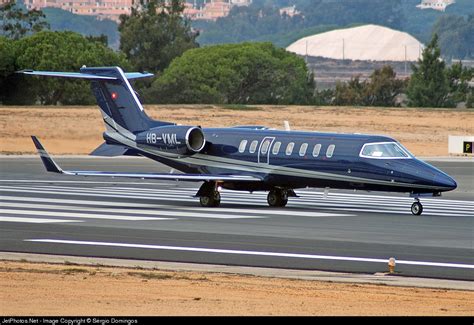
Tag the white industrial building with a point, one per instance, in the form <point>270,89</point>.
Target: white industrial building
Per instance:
<point>365,43</point>
<point>439,5</point>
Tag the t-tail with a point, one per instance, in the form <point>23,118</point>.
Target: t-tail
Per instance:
<point>122,112</point>
<point>118,102</point>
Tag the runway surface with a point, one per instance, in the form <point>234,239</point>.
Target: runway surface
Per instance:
<point>346,231</point>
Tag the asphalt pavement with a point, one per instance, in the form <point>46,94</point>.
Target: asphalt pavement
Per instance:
<point>346,231</point>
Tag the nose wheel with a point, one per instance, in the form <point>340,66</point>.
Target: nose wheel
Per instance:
<point>417,208</point>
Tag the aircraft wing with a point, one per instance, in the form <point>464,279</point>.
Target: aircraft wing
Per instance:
<point>52,166</point>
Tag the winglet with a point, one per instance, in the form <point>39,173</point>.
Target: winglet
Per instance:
<point>48,162</point>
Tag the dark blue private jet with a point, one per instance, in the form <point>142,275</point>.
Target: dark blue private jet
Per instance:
<point>247,158</point>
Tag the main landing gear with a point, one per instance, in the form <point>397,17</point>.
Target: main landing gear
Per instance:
<point>211,200</point>
<point>208,195</point>
<point>277,198</point>
<point>417,207</point>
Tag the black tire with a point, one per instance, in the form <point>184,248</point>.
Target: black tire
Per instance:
<point>277,198</point>
<point>216,198</point>
<point>273,198</point>
<point>205,201</point>
<point>213,200</point>
<point>416,208</point>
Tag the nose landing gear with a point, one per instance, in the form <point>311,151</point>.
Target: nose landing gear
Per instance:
<point>417,207</point>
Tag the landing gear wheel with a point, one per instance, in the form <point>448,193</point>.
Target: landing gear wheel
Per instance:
<point>417,208</point>
<point>277,198</point>
<point>213,200</point>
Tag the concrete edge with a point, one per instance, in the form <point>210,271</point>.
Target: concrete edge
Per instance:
<point>374,279</point>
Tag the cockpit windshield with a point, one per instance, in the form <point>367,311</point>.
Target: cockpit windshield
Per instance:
<point>384,150</point>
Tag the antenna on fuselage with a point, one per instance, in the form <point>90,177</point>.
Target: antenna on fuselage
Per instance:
<point>287,125</point>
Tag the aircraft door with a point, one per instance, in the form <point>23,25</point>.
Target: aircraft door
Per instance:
<point>264,150</point>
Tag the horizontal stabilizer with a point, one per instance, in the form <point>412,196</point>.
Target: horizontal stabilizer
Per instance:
<point>110,150</point>
<point>80,75</point>
<point>51,166</point>
<point>137,75</point>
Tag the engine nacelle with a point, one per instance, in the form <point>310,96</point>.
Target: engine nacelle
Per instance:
<point>176,140</point>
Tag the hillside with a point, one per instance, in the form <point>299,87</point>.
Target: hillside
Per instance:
<point>262,21</point>
<point>62,20</point>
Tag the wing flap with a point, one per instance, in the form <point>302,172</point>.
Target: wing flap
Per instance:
<point>109,150</point>
<point>51,166</point>
<point>162,176</point>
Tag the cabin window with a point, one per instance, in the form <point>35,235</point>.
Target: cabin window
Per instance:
<point>316,150</point>
<point>265,146</point>
<point>384,150</point>
<point>303,149</point>
<point>253,146</point>
<point>289,148</point>
<point>276,148</point>
<point>242,146</point>
<point>330,151</point>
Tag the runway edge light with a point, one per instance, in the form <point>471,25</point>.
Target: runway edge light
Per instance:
<point>391,265</point>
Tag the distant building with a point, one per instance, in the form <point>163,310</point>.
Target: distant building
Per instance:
<point>241,2</point>
<point>215,9</point>
<point>103,9</point>
<point>112,9</point>
<point>439,5</point>
<point>289,11</point>
<point>361,43</point>
<point>212,9</point>
<point>4,2</point>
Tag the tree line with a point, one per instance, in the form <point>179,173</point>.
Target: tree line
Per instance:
<point>158,39</point>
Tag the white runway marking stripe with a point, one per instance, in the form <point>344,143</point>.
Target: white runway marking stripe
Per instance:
<point>78,202</point>
<point>304,196</point>
<point>157,211</point>
<point>327,205</point>
<point>171,195</point>
<point>198,214</point>
<point>257,199</point>
<point>254,253</point>
<point>34,220</point>
<point>85,192</point>
<point>340,203</point>
<point>375,205</point>
<point>77,215</point>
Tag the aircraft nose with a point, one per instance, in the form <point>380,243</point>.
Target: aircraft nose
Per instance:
<point>445,181</point>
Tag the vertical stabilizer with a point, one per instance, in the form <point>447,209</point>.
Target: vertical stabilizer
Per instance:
<point>117,100</point>
<point>122,111</point>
